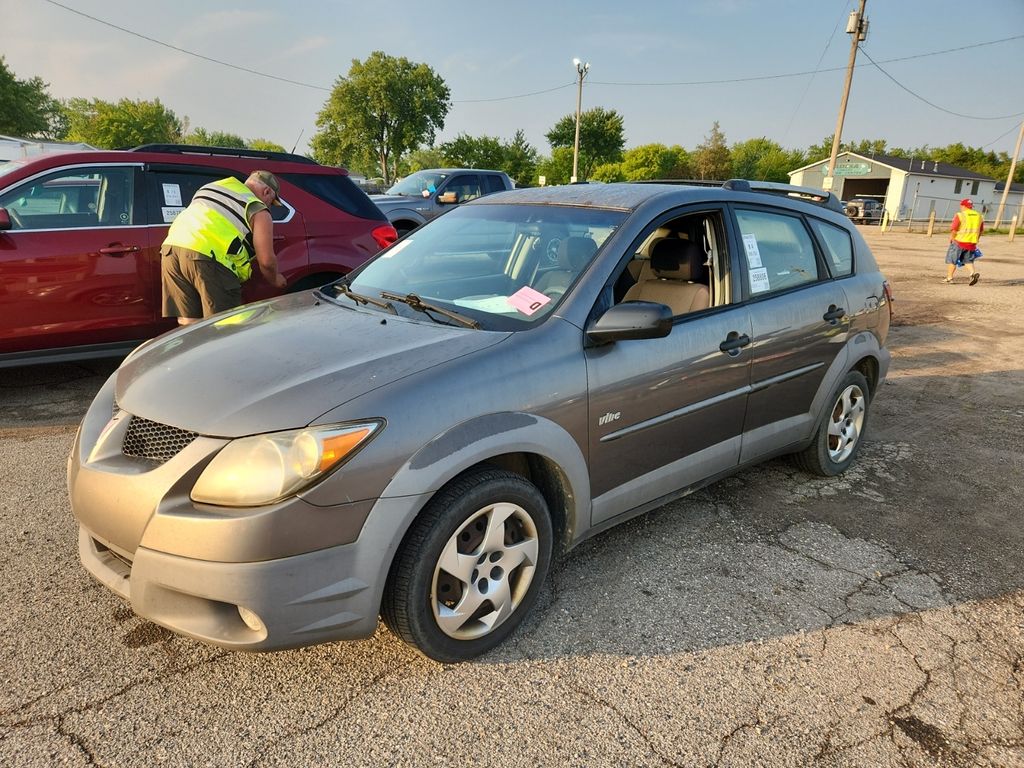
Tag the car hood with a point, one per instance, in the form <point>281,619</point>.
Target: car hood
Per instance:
<point>280,364</point>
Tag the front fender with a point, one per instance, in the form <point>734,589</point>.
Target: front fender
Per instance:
<point>405,214</point>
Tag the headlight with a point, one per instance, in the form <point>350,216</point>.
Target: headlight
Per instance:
<point>266,468</point>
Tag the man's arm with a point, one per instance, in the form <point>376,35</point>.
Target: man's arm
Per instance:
<point>263,242</point>
<point>954,227</point>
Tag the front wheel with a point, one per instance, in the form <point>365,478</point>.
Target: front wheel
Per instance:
<point>840,433</point>
<point>470,567</point>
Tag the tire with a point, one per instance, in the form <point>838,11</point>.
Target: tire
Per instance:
<point>470,567</point>
<point>404,228</point>
<point>840,431</point>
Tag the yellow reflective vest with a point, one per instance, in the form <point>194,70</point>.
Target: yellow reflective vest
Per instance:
<point>970,226</point>
<point>217,223</point>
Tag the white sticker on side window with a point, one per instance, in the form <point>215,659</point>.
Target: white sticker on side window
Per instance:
<point>753,254</point>
<point>171,213</point>
<point>759,280</point>
<point>396,249</point>
<point>172,194</point>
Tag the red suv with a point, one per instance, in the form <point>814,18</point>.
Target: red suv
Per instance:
<point>80,236</point>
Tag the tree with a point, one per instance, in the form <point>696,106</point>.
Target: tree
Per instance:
<point>26,107</point>
<point>556,169</point>
<point>202,137</point>
<point>764,160</point>
<point>608,173</point>
<point>385,108</point>
<point>124,124</point>
<point>648,161</point>
<point>601,138</point>
<point>712,160</point>
<point>420,159</point>
<point>517,158</point>
<point>265,145</point>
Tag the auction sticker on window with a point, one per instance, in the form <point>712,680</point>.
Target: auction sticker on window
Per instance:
<point>753,254</point>
<point>172,195</point>
<point>170,212</point>
<point>759,280</point>
<point>527,300</point>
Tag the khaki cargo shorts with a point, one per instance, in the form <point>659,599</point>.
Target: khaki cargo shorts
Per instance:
<point>195,285</point>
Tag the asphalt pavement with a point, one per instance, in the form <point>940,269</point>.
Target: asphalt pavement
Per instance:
<point>772,619</point>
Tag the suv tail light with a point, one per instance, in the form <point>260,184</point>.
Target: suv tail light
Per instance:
<point>385,235</point>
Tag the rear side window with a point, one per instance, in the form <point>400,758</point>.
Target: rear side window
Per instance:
<point>494,184</point>
<point>337,191</point>
<point>779,251</point>
<point>838,247</point>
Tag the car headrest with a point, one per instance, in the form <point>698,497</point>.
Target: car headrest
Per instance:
<point>575,252</point>
<point>678,259</point>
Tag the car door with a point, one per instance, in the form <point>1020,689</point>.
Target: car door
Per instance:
<point>77,267</point>
<point>667,413</point>
<point>800,323</point>
<point>171,188</point>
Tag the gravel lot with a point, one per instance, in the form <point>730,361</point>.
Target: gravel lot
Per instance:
<point>774,619</point>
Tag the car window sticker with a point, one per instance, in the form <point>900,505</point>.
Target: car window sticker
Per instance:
<point>172,196</point>
<point>170,212</point>
<point>527,300</point>
<point>396,248</point>
<point>753,254</point>
<point>759,280</point>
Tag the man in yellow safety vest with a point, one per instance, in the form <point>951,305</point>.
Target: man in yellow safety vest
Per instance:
<point>209,249</point>
<point>965,231</point>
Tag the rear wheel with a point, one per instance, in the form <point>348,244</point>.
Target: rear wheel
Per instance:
<point>471,566</point>
<point>840,433</point>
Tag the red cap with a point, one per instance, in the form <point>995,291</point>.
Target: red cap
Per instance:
<point>967,203</point>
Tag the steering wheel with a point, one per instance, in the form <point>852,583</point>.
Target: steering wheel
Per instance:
<point>16,221</point>
<point>554,293</point>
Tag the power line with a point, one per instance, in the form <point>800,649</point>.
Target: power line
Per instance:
<point>929,103</point>
<point>556,88</point>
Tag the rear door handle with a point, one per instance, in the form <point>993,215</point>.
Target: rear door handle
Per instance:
<point>119,250</point>
<point>834,314</point>
<point>734,342</point>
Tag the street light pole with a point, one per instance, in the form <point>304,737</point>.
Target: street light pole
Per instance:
<point>858,27</point>
<point>581,70</point>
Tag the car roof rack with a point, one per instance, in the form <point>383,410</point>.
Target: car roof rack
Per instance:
<point>807,194</point>
<point>194,149</point>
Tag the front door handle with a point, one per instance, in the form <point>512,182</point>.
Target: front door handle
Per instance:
<point>119,250</point>
<point>834,314</point>
<point>734,342</point>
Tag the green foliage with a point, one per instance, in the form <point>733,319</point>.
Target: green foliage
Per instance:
<point>202,137</point>
<point>764,160</point>
<point>27,109</point>
<point>124,124</point>
<point>517,158</point>
<point>649,161</point>
<point>265,145</point>
<point>712,160</point>
<point>601,138</point>
<point>609,173</point>
<point>556,169</point>
<point>385,108</point>
<point>421,159</point>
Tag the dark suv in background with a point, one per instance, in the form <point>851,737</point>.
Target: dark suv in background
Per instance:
<point>425,195</point>
<point>80,234</point>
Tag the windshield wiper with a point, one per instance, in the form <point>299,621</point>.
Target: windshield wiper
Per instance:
<point>358,298</point>
<point>418,304</point>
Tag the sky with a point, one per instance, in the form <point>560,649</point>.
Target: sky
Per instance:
<point>776,69</point>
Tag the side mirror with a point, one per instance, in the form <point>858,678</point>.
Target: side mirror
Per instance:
<point>5,220</point>
<point>447,198</point>
<point>631,320</point>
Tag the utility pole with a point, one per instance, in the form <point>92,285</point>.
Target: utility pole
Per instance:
<point>581,69</point>
<point>1009,178</point>
<point>857,26</point>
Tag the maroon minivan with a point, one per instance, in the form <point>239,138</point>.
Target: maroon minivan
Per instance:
<point>80,235</point>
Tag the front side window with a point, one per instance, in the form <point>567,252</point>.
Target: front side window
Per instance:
<point>778,249</point>
<point>74,199</point>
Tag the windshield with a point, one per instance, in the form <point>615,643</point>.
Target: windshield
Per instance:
<point>504,266</point>
<point>418,183</point>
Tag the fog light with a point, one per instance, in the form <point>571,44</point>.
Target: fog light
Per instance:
<point>252,621</point>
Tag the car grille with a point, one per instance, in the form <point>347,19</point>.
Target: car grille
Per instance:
<point>146,439</point>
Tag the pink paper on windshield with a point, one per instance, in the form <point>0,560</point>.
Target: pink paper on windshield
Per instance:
<point>527,300</point>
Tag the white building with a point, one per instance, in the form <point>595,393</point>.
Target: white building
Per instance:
<point>910,187</point>
<point>14,148</point>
